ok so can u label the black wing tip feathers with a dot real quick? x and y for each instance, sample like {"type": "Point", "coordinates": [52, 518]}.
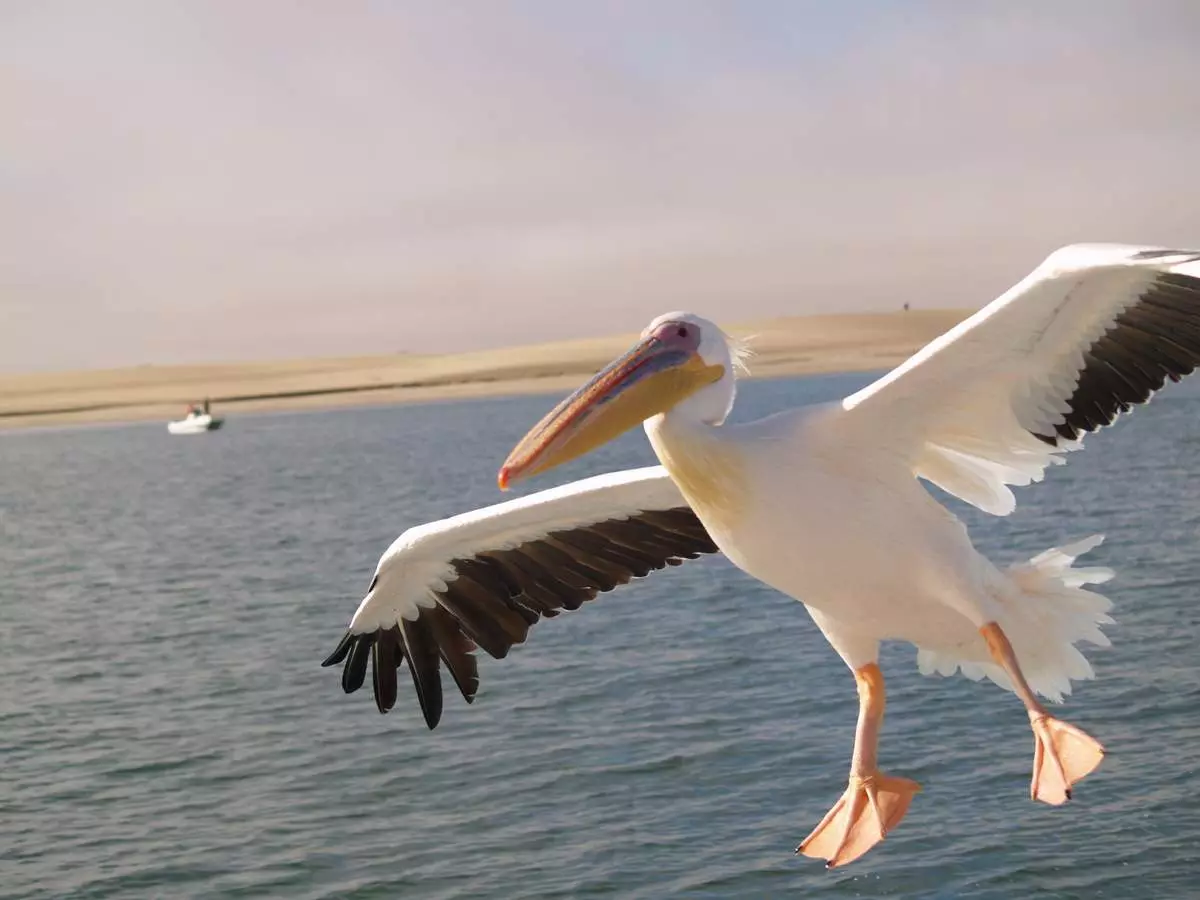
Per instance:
{"type": "Point", "coordinates": [385, 650]}
{"type": "Point", "coordinates": [498, 595]}
{"type": "Point", "coordinates": [385, 659]}
{"type": "Point", "coordinates": [355, 671]}
{"type": "Point", "coordinates": [432, 717]}
{"type": "Point", "coordinates": [1151, 341]}
{"type": "Point", "coordinates": [1185, 255]}
{"type": "Point", "coordinates": [421, 650]}
{"type": "Point", "coordinates": [340, 651]}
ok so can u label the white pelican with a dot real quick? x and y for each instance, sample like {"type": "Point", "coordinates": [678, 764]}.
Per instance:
{"type": "Point", "coordinates": [822, 503]}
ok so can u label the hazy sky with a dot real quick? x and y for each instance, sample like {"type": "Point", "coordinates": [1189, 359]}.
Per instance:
{"type": "Point", "coordinates": [184, 181]}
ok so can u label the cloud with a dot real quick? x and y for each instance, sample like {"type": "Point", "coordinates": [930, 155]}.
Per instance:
{"type": "Point", "coordinates": [221, 180]}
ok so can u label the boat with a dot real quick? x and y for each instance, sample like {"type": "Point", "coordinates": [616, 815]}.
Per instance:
{"type": "Point", "coordinates": [197, 421]}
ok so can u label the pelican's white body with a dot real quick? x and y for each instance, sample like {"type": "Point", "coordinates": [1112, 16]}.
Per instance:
{"type": "Point", "coordinates": [875, 546]}
{"type": "Point", "coordinates": [873, 556]}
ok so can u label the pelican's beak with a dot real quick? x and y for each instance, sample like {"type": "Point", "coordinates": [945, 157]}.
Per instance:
{"type": "Point", "coordinates": [648, 380]}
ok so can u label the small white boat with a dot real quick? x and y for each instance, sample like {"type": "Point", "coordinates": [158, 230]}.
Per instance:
{"type": "Point", "coordinates": [197, 421]}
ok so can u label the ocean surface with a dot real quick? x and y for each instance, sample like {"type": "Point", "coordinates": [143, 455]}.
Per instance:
{"type": "Point", "coordinates": [166, 729]}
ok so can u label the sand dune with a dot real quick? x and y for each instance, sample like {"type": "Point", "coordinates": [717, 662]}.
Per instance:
{"type": "Point", "coordinates": [787, 346]}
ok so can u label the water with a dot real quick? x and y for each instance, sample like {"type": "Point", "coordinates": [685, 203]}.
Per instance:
{"type": "Point", "coordinates": [165, 729]}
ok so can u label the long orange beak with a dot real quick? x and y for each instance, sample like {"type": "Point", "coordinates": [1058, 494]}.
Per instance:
{"type": "Point", "coordinates": [648, 380]}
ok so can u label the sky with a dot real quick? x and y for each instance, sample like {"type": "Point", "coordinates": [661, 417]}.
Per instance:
{"type": "Point", "coordinates": [229, 180]}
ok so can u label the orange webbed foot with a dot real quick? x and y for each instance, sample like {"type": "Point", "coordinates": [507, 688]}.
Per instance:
{"type": "Point", "coordinates": [1062, 755]}
{"type": "Point", "coordinates": [871, 807]}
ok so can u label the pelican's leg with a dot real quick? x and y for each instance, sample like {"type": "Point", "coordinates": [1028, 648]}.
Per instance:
{"type": "Point", "coordinates": [1062, 753]}
{"type": "Point", "coordinates": [873, 803]}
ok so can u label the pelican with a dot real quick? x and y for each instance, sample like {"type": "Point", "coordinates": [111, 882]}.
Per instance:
{"type": "Point", "coordinates": [824, 503]}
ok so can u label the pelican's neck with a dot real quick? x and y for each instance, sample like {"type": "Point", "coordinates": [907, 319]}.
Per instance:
{"type": "Point", "coordinates": [703, 462]}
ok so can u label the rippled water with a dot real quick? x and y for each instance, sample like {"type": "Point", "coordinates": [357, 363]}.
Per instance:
{"type": "Point", "coordinates": [165, 729]}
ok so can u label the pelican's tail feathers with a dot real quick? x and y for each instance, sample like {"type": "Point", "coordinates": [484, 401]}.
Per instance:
{"type": "Point", "coordinates": [1046, 610]}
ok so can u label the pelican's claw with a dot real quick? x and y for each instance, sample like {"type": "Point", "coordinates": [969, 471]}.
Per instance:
{"type": "Point", "coordinates": [1062, 755]}
{"type": "Point", "coordinates": [871, 806]}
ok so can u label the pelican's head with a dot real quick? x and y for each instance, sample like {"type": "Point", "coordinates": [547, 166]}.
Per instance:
{"type": "Point", "coordinates": [682, 363]}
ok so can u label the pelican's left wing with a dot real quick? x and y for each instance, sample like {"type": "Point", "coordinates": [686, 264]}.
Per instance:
{"type": "Point", "coordinates": [1093, 331]}
{"type": "Point", "coordinates": [482, 578]}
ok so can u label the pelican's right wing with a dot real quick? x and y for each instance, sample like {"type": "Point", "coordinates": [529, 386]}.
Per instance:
{"type": "Point", "coordinates": [482, 578]}
{"type": "Point", "coordinates": [1095, 330]}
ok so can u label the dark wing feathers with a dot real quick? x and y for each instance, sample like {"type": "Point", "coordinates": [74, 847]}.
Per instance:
{"type": "Point", "coordinates": [423, 657]}
{"type": "Point", "coordinates": [1155, 338]}
{"type": "Point", "coordinates": [385, 658]}
{"type": "Point", "coordinates": [1163, 253]}
{"type": "Point", "coordinates": [522, 584]}
{"type": "Point", "coordinates": [456, 649]}
{"type": "Point", "coordinates": [497, 595]}
{"type": "Point", "coordinates": [479, 617]}
{"type": "Point", "coordinates": [342, 650]}
{"type": "Point", "coordinates": [355, 672]}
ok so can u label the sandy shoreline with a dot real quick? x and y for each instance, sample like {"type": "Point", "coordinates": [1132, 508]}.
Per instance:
{"type": "Point", "coordinates": [790, 346]}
